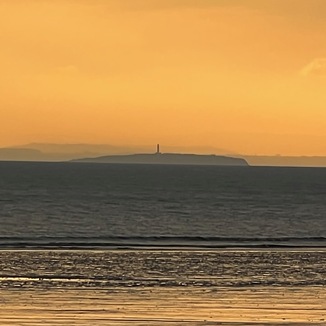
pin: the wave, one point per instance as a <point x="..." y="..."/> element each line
<point x="62" y="281"/>
<point x="130" y="242"/>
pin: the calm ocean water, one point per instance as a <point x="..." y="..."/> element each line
<point x="92" y="205"/>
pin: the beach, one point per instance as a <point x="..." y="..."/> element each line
<point x="150" y="288"/>
<point x="144" y="306"/>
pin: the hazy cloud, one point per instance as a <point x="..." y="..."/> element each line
<point x="315" y="68"/>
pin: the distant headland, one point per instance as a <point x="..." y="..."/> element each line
<point x="52" y="152"/>
<point x="167" y="158"/>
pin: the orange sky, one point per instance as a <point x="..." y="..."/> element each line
<point x="245" y="75"/>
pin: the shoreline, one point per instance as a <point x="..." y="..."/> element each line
<point x="143" y="287"/>
<point x="164" y="249"/>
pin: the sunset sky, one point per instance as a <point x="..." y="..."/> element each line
<point x="248" y="76"/>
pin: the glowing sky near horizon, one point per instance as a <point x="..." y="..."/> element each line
<point x="244" y="75"/>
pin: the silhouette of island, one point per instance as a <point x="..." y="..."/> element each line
<point x="52" y="152"/>
<point x="44" y="152"/>
<point x="167" y="158"/>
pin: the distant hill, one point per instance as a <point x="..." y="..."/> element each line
<point x="168" y="158"/>
<point x="55" y="152"/>
<point x="66" y="152"/>
<point x="72" y="149"/>
<point x="107" y="149"/>
<point x="13" y="154"/>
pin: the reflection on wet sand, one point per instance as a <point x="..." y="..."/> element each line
<point x="164" y="306"/>
<point x="167" y="287"/>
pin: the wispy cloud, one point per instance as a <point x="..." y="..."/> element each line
<point x="317" y="67"/>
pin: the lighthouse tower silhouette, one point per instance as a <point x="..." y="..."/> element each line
<point x="158" y="149"/>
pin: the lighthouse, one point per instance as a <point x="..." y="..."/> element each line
<point x="158" y="149"/>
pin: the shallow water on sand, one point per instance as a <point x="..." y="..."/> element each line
<point x="164" y="306"/>
<point x="162" y="287"/>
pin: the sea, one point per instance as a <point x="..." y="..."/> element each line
<point x="114" y="244"/>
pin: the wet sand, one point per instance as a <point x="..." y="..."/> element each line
<point x="135" y="287"/>
<point x="164" y="306"/>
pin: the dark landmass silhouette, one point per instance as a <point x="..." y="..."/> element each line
<point x="167" y="158"/>
<point x="56" y="152"/>
<point x="47" y="152"/>
<point x="65" y="152"/>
